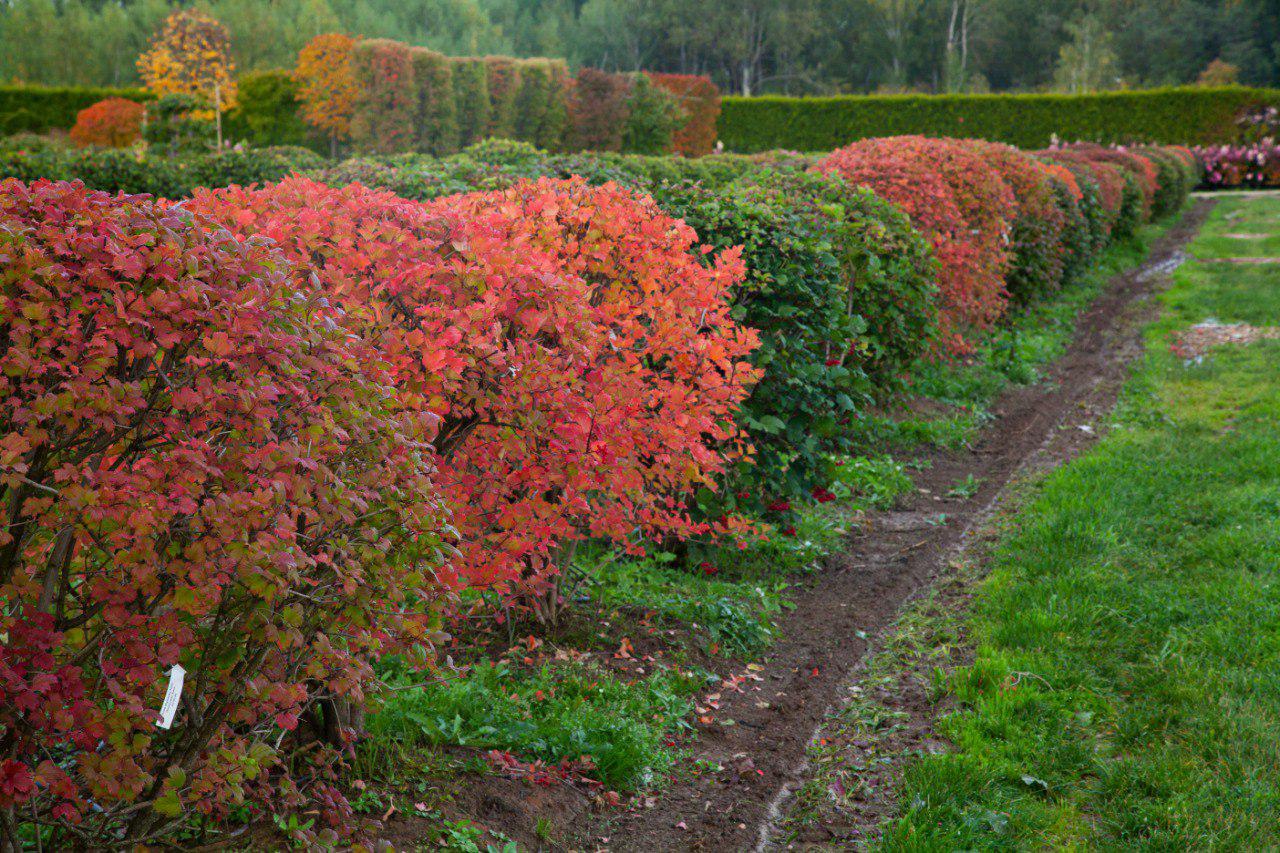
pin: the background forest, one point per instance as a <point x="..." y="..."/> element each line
<point x="746" y="46"/>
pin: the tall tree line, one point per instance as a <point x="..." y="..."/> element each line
<point x="748" y="46"/>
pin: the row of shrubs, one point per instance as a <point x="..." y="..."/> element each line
<point x="38" y="109"/>
<point x="268" y="111"/>
<point x="270" y="434"/>
<point x="30" y="157"/>
<point x="1186" y="115"/>
<point x="415" y="99"/>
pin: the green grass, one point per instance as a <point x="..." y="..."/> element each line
<point x="736" y="616"/>
<point x="1236" y="216"/>
<point x="1126" y="691"/>
<point x="560" y="710"/>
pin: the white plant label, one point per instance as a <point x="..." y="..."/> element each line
<point x="172" y="695"/>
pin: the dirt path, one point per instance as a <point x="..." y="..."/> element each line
<point x="860" y="592"/>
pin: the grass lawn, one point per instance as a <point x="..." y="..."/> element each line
<point x="1126" y="690"/>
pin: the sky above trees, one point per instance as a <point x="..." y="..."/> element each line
<point x="751" y="46"/>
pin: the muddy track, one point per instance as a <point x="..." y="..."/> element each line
<point x="859" y="592"/>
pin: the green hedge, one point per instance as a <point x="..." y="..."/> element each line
<point x="267" y="112"/>
<point x="1188" y="116"/>
<point x="120" y="170"/>
<point x="36" y="109"/>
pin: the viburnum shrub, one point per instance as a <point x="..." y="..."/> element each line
<point x="670" y="371"/>
<point x="1083" y="234"/>
<point x="111" y="123"/>
<point x="1109" y="178"/>
<point x="1175" y="179"/>
<point x="794" y="293"/>
<point x="888" y="274"/>
<point x="199" y="468"/>
<point x="542" y="438"/>
<point x="1189" y="157"/>
<point x="1142" y="170"/>
<point x="1038" y="255"/>
<point x="959" y="202"/>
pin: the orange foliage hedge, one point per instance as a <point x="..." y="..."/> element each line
<point x="956" y="199"/>
<point x="700" y="99"/>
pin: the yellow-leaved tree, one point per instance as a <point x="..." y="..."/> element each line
<point x="327" y="85"/>
<point x="191" y="55"/>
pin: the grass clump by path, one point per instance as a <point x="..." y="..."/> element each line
<point x="1126" y="689"/>
<point x="574" y="710"/>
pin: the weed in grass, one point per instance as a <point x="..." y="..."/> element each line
<point x="542" y="829"/>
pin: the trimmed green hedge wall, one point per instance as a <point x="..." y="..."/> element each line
<point x="1188" y="116"/>
<point x="36" y="109"/>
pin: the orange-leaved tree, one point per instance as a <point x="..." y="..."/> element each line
<point x="327" y="86"/>
<point x="191" y="55"/>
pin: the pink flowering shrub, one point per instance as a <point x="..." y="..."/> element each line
<point x="1256" y="165"/>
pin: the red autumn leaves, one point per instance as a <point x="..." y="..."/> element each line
<point x="997" y="225"/>
<point x="581" y="360"/>
<point x="206" y="470"/>
<point x="260" y="431"/>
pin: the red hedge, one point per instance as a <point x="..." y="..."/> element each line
<point x="598" y="110"/>
<point x="700" y="99"/>
<point x="674" y="371"/>
<point x="956" y="199"/>
<point x="200" y="469"/>
<point x="382" y="120"/>
<point x="1140" y="167"/>
<point x="1038" y="254"/>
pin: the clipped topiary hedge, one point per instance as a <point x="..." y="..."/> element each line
<point x="1197" y="116"/>
<point x="700" y="100"/>
<point x="436" y="122"/>
<point x="471" y="94"/>
<point x="387" y="104"/>
<point x="36" y="109"/>
<point x="268" y="112"/>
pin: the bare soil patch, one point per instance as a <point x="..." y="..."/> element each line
<point x="1194" y="343"/>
